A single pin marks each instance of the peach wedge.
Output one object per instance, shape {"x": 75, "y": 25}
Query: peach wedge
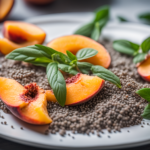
{"x": 144, "y": 69}
{"x": 5, "y": 8}
{"x": 74, "y": 43}
{"x": 80, "y": 88}
{"x": 27, "y": 103}
{"x": 7, "y": 46}
{"x": 20, "y": 32}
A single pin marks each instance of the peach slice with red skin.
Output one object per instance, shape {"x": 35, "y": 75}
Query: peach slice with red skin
{"x": 5, "y": 8}
{"x": 80, "y": 88}
{"x": 27, "y": 103}
{"x": 74, "y": 43}
{"x": 20, "y": 32}
{"x": 7, "y": 46}
{"x": 144, "y": 69}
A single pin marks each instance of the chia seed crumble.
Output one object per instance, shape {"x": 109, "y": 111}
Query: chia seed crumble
{"x": 110, "y": 109}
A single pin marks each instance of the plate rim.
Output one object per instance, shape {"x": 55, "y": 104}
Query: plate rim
{"x": 56, "y": 17}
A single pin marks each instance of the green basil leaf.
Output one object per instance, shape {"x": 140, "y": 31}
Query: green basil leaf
{"x": 146, "y": 113}
{"x": 144, "y": 93}
{"x": 106, "y": 75}
{"x": 96, "y": 32}
{"x": 139, "y": 57}
{"x": 146, "y": 45}
{"x": 39, "y": 64}
{"x": 126, "y": 47}
{"x": 73, "y": 71}
{"x": 49, "y": 52}
{"x": 84, "y": 67}
{"x": 122, "y": 19}
{"x": 145, "y": 16}
{"x": 86, "y": 53}
{"x": 103, "y": 22}
{"x": 102, "y": 12}
{"x": 57, "y": 82}
{"x": 25, "y": 54}
{"x": 71, "y": 56}
{"x": 67, "y": 69}
{"x": 85, "y": 30}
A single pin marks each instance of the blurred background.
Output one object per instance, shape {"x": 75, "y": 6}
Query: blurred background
{"x": 24, "y": 9}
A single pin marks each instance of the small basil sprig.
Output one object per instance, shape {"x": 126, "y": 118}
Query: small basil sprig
{"x": 54, "y": 61}
{"x": 94, "y": 28}
{"x": 133, "y": 49}
{"x": 126, "y": 47}
{"x": 145, "y": 93}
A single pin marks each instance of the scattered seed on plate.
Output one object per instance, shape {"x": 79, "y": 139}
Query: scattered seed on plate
{"x": 111, "y": 109}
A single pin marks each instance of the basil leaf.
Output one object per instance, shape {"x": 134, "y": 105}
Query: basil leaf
{"x": 106, "y": 75}
{"x": 67, "y": 69}
{"x": 126, "y": 47}
{"x": 146, "y": 45}
{"x": 96, "y": 32}
{"x": 73, "y": 71}
{"x": 122, "y": 19}
{"x": 103, "y": 22}
{"x": 25, "y": 54}
{"x": 84, "y": 67}
{"x": 144, "y": 93}
{"x": 71, "y": 56}
{"x": 145, "y": 16}
{"x": 85, "y": 30}
{"x": 139, "y": 57}
{"x": 86, "y": 53}
{"x": 39, "y": 64}
{"x": 146, "y": 113}
{"x": 49, "y": 52}
{"x": 102, "y": 12}
{"x": 57, "y": 82}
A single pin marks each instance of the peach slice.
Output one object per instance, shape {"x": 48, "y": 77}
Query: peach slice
{"x": 27, "y": 103}
{"x": 20, "y": 32}
{"x": 7, "y": 46}
{"x": 74, "y": 43}
{"x": 144, "y": 69}
{"x": 80, "y": 88}
{"x": 5, "y": 8}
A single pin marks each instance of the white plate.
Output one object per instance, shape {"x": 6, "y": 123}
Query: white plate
{"x": 65, "y": 24}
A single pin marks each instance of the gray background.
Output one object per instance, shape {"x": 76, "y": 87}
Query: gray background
{"x": 127, "y": 8}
